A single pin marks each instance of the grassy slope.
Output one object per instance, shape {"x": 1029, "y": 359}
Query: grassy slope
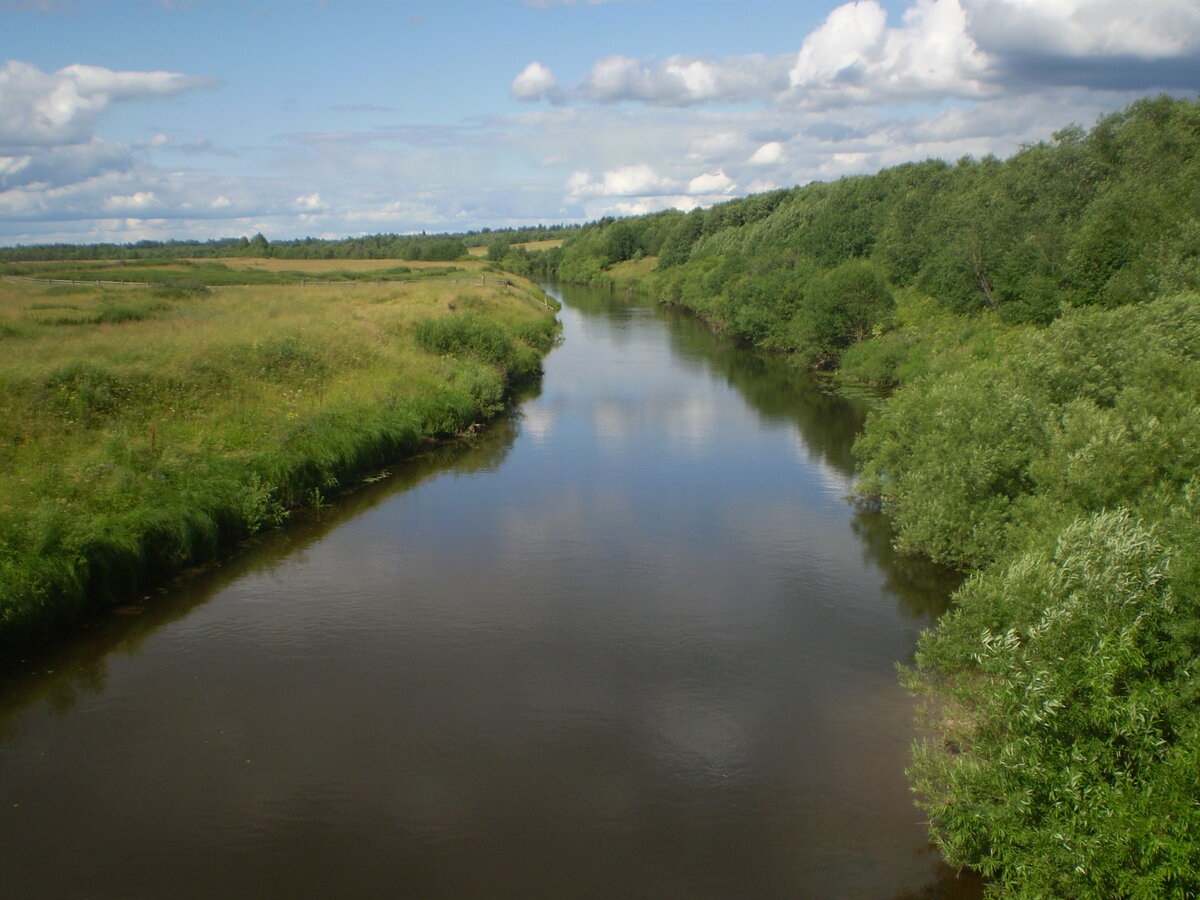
{"x": 145, "y": 429}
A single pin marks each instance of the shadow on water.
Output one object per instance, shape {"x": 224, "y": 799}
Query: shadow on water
{"x": 922, "y": 588}
{"x": 76, "y": 666}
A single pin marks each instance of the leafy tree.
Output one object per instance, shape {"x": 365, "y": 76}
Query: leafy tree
{"x": 842, "y": 307}
{"x": 258, "y": 246}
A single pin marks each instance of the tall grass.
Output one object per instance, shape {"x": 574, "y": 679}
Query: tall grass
{"x": 145, "y": 431}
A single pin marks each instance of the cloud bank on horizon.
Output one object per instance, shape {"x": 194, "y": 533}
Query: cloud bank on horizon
{"x": 93, "y": 152}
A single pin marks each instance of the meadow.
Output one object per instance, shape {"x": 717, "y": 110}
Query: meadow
{"x": 148, "y": 428}
{"x": 528, "y": 246}
{"x": 235, "y": 271}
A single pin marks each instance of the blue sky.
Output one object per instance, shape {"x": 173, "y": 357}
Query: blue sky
{"x": 174, "y": 119}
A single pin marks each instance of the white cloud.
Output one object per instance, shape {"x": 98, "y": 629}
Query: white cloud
{"x": 50, "y": 108}
{"x": 626, "y": 181}
{"x": 768, "y": 154}
{"x": 760, "y": 186}
{"x": 534, "y": 82}
{"x": 855, "y": 57}
{"x": 711, "y": 183}
{"x": 309, "y": 203}
{"x": 644, "y": 205}
{"x": 137, "y": 202}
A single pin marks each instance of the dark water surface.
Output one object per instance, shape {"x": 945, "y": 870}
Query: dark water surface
{"x": 632, "y": 643}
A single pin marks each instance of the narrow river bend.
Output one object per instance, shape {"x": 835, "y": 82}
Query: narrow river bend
{"x": 633, "y": 643}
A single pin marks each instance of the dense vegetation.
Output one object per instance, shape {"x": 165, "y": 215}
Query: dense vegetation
{"x": 146, "y": 428}
{"x": 1040, "y": 316}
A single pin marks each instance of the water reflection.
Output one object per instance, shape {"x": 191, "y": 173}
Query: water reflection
{"x": 777, "y": 389}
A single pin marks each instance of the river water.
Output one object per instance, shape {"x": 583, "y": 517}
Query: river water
{"x": 633, "y": 642}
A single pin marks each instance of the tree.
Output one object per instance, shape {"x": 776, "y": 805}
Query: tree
{"x": 258, "y": 246}
{"x": 842, "y": 307}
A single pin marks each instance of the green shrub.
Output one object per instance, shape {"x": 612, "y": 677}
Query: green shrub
{"x": 1070, "y": 731}
{"x": 468, "y": 334}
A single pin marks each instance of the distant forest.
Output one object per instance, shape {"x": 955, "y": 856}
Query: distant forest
{"x": 437, "y": 247}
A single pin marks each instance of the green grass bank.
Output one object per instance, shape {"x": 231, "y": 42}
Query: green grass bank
{"x": 146, "y": 429}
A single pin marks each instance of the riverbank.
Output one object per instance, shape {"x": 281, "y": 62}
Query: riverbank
{"x": 147, "y": 429}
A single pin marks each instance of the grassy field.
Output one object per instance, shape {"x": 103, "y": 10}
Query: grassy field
{"x": 147, "y": 428}
{"x": 191, "y": 273}
{"x": 482, "y": 250}
{"x": 629, "y": 272}
{"x": 324, "y": 266}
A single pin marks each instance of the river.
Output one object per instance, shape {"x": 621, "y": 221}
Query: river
{"x": 631, "y": 642}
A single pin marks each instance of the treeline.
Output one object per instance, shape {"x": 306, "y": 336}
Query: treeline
{"x": 1040, "y": 317}
{"x": 433, "y": 247}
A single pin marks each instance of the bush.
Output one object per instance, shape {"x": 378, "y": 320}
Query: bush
{"x": 1067, "y": 765}
{"x": 470, "y": 335}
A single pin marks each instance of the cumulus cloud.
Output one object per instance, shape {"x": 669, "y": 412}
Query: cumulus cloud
{"x": 768, "y": 154}
{"x": 534, "y": 82}
{"x": 760, "y": 186}
{"x": 863, "y": 90}
{"x": 711, "y": 183}
{"x": 54, "y": 168}
{"x": 309, "y": 202}
{"x": 137, "y": 202}
{"x": 39, "y": 109}
{"x": 855, "y": 57}
{"x": 627, "y": 181}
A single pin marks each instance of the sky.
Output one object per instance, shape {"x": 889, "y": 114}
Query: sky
{"x": 124, "y": 120}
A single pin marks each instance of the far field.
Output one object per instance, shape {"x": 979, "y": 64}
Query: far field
{"x": 325, "y": 266}
{"x": 531, "y": 246}
{"x": 244, "y": 270}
